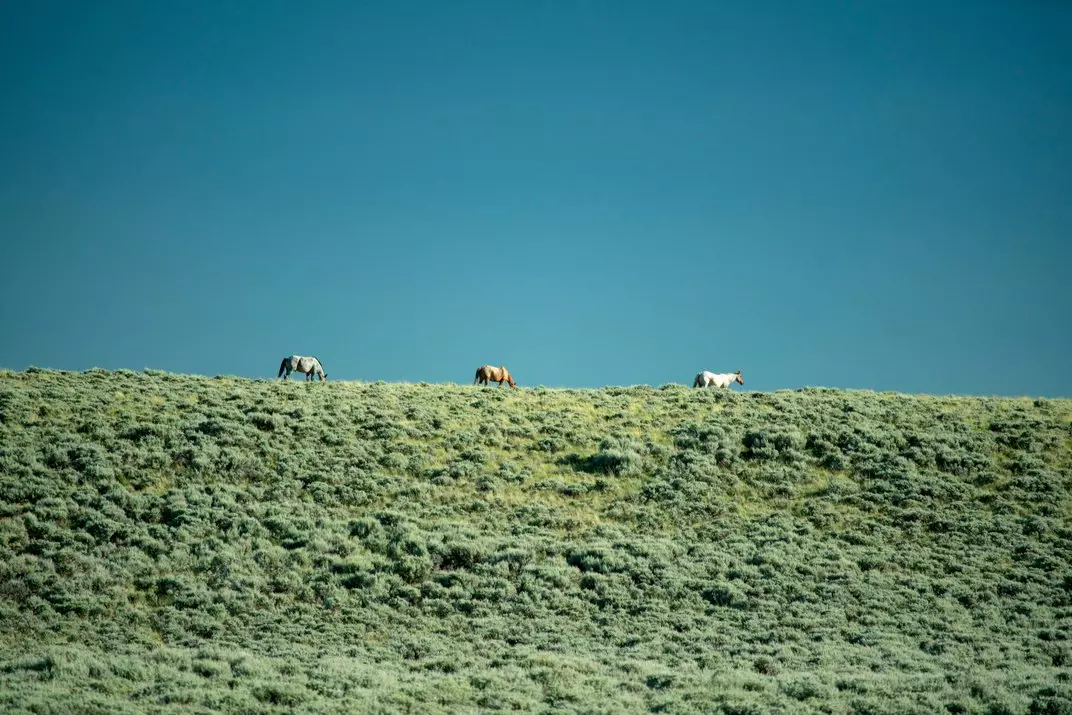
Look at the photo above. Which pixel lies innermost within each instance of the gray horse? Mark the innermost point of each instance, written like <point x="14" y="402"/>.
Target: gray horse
<point x="297" y="363"/>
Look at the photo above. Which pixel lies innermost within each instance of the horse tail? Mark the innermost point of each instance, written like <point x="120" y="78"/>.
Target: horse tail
<point x="476" y="379"/>
<point x="282" y="368"/>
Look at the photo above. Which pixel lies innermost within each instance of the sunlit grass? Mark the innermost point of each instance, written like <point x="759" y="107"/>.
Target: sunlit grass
<point x="189" y="544"/>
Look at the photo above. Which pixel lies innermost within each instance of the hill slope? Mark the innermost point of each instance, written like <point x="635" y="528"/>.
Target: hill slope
<point x="184" y="544"/>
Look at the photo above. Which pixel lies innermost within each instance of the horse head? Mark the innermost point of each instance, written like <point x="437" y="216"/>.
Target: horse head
<point x="739" y="380"/>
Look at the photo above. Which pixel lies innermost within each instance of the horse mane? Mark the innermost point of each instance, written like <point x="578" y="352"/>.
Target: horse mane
<point x="314" y="357"/>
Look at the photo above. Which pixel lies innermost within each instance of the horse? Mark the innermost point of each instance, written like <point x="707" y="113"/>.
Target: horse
<point x="298" y="363"/>
<point x="706" y="379"/>
<point x="490" y="373"/>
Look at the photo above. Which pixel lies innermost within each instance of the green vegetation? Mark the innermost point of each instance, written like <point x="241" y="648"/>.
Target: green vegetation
<point x="179" y="544"/>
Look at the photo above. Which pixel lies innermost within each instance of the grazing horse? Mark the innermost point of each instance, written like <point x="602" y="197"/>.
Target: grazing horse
<point x="706" y="379"/>
<point x="297" y="363"/>
<point x="490" y="373"/>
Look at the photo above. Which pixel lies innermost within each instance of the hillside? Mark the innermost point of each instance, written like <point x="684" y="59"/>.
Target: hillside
<point x="180" y="544"/>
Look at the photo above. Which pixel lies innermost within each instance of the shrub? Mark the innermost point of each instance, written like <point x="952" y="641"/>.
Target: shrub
<point x="266" y="422"/>
<point x="724" y="595"/>
<point x="617" y="456"/>
<point x="772" y="444"/>
<point x="826" y="453"/>
<point x="144" y="518"/>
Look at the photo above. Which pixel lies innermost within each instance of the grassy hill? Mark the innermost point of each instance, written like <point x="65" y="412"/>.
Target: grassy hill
<point x="180" y="544"/>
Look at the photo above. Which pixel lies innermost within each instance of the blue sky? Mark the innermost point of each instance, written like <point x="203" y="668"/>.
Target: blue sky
<point x="869" y="195"/>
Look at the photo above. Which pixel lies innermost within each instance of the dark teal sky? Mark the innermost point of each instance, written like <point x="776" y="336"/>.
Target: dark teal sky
<point x="865" y="195"/>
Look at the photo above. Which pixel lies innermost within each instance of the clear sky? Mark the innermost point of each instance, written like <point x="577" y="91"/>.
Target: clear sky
<point x="869" y="195"/>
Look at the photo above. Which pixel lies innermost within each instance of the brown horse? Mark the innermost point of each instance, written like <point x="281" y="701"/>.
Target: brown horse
<point x="490" y="373"/>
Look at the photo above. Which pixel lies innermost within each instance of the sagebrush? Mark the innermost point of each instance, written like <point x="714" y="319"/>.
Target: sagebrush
<point x="185" y="544"/>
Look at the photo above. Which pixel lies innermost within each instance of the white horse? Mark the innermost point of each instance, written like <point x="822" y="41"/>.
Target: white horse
<point x="297" y="363"/>
<point x="706" y="379"/>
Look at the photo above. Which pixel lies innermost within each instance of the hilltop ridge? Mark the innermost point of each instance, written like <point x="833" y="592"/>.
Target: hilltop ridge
<point x="190" y="544"/>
